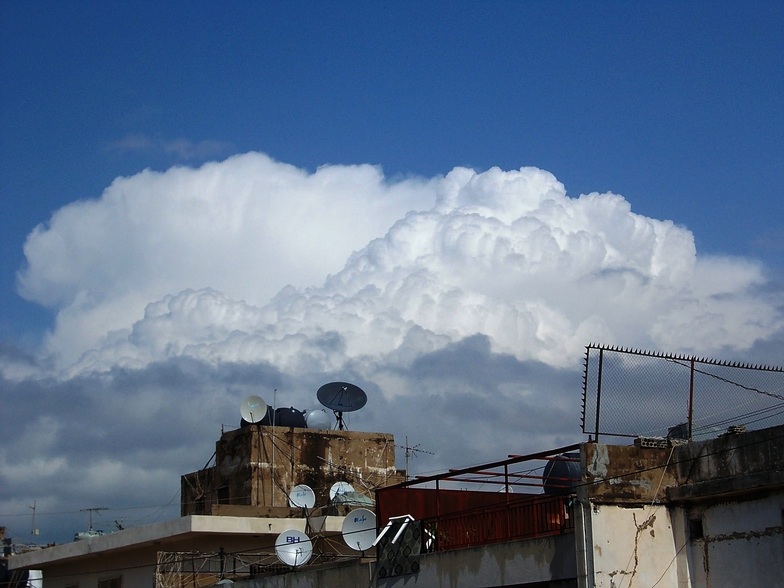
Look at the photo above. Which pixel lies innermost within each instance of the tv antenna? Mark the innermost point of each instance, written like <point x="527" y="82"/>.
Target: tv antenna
<point x="33" y="530"/>
<point x="412" y="451"/>
<point x="91" y="511"/>
<point x="341" y="397"/>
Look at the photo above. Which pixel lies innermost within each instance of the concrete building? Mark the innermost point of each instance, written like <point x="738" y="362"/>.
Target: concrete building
<point x="235" y="510"/>
<point x="257" y="466"/>
<point x="657" y="512"/>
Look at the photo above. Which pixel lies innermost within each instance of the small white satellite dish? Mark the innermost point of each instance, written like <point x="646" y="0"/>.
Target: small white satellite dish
<point x="302" y="496"/>
<point x="253" y="409"/>
<point x="340" y="488"/>
<point x="293" y="548"/>
<point x="318" y="419"/>
<point x="359" y="529"/>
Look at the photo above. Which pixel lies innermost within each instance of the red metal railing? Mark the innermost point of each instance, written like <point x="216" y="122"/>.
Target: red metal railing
<point x="464" y="508"/>
<point x="526" y="517"/>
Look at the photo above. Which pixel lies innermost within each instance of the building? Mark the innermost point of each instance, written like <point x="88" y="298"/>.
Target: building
<point x="235" y="510"/>
<point x="257" y="466"/>
<point x="653" y="513"/>
<point x="663" y="511"/>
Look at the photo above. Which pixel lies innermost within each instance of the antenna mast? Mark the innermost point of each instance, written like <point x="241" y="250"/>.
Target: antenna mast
<point x="33" y="530"/>
<point x="411" y="451"/>
<point x="90" y="511"/>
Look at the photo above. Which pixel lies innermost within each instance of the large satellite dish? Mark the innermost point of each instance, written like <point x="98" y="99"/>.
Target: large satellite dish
<point x="253" y="409"/>
<point x="359" y="529"/>
<point x="340" y="488"/>
<point x="302" y="496"/>
<point x="341" y="397"/>
<point x="293" y="548"/>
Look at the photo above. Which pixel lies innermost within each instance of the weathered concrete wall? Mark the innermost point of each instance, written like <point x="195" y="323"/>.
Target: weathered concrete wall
<point x="258" y="466"/>
<point x="632" y="546"/>
<point x="627" y="474"/>
<point x="549" y="559"/>
<point x="729" y="465"/>
<point x="705" y="513"/>
<point x="742" y="543"/>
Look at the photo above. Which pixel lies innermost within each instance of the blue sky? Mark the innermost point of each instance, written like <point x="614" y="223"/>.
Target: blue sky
<point x="675" y="107"/>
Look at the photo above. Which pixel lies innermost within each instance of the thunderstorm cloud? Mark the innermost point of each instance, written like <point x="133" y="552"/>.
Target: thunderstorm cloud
<point x="460" y="303"/>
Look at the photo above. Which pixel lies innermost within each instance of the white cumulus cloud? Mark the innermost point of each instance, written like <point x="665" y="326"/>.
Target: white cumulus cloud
<point x="461" y="304"/>
<point x="505" y="254"/>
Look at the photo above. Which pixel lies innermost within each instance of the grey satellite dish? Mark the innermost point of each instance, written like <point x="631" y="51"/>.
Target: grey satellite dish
<point x="341" y="397"/>
<point x="359" y="529"/>
<point x="340" y="488"/>
<point x="253" y="409"/>
<point x="318" y="419"/>
<point x="302" y="496"/>
<point x="293" y="548"/>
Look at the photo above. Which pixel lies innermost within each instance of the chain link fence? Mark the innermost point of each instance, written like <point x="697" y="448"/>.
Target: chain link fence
<point x="635" y="393"/>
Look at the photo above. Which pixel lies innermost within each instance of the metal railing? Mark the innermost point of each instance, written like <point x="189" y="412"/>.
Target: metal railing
<point x="521" y="518"/>
<point x="517" y="498"/>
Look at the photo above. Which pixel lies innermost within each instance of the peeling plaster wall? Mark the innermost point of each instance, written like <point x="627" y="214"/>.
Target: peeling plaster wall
<point x="258" y="466"/>
<point x="707" y="513"/>
<point x="742" y="543"/>
<point x="633" y="546"/>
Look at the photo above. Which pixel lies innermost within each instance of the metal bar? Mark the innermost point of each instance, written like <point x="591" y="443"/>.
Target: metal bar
<point x="451" y="473"/>
<point x="599" y="394"/>
<point x="691" y="398"/>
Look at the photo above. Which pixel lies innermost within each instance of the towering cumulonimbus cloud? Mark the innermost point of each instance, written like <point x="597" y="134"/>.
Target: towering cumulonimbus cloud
<point x="461" y="304"/>
<point x="254" y="260"/>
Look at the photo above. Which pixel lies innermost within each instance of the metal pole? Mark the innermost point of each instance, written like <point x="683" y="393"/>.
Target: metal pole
<point x="598" y="394"/>
<point x="691" y="398"/>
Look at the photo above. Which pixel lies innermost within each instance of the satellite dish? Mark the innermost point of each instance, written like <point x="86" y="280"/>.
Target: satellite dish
<point x="253" y="409"/>
<point x="340" y="488"/>
<point x="318" y="419"/>
<point x="341" y="397"/>
<point x="266" y="420"/>
<point x="302" y="496"/>
<point x="293" y="548"/>
<point x="359" y="529"/>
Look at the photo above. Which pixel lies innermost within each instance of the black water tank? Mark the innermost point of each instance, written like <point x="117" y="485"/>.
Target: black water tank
<point x="562" y="473"/>
<point x="290" y="417"/>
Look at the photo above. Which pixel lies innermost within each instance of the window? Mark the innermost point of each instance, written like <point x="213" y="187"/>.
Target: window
<point x="110" y="582"/>
<point x="223" y="495"/>
<point x="695" y="529"/>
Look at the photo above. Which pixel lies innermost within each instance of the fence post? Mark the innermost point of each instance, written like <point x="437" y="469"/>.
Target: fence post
<point x="598" y="394"/>
<point x="691" y="397"/>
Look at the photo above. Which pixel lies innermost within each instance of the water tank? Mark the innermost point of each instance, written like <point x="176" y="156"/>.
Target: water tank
<point x="289" y="417"/>
<point x="562" y="473"/>
<point x="318" y="419"/>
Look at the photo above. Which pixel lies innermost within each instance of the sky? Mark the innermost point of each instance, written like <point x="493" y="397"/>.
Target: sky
<point x="440" y="202"/>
